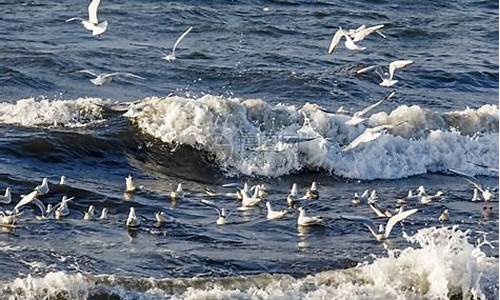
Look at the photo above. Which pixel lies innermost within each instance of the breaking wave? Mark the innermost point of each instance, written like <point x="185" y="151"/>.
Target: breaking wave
<point x="443" y="265"/>
<point x="251" y="137"/>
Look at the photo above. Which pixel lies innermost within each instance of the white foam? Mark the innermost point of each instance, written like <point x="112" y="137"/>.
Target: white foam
<point x="443" y="264"/>
<point x="428" y="142"/>
<point x="71" y="113"/>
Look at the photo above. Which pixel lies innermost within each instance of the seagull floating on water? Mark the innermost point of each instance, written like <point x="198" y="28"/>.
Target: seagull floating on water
<point x="444" y="216"/>
<point x="304" y="220"/>
<point x="221" y="220"/>
<point x="104" y="214"/>
<point x="92" y="23"/>
<point x="129" y="184"/>
<point x="274" y="214"/>
<point x="89" y="214"/>
<point x="100" y="79"/>
<point x="61" y="209"/>
<point x="160" y="217"/>
<point x="178" y="193"/>
<point x="168" y="57"/>
<point x="43" y="189"/>
<point x="132" y="220"/>
<point x="62" y="181"/>
<point x="381" y="236"/>
<point x="7" y="197"/>
<point x="312" y="193"/>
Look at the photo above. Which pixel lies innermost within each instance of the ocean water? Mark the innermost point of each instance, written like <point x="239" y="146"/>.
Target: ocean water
<point x="249" y="80"/>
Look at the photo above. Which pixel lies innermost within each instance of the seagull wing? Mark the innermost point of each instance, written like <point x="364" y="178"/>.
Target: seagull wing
<point x="123" y="74"/>
<point x="366" y="69"/>
<point x="398" y="64"/>
<point x="349" y="43"/>
<point x="366" y="221"/>
<point x="361" y="34"/>
<point x="211" y="204"/>
<point x="93" y="11"/>
<point x="88" y="72"/>
<point x="366" y="136"/>
<point x="231" y="185"/>
<point x="476" y="184"/>
<point x="41" y="206"/>
<point x="180" y="39"/>
<point x="335" y="40"/>
<point x="397" y="218"/>
<point x="74" y="19"/>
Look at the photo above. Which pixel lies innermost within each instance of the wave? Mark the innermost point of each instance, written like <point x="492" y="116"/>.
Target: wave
<point x="251" y="137"/>
<point x="442" y="265"/>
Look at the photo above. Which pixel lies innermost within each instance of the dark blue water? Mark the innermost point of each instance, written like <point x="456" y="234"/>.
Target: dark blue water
<point x="186" y="122"/>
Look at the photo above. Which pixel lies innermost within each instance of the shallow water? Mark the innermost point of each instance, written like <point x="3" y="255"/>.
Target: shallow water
<point x="247" y="76"/>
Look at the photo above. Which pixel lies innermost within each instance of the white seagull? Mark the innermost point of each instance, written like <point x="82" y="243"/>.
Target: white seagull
<point x="304" y="220"/>
<point x="274" y="214"/>
<point x="393" y="66"/>
<point x="160" y="217"/>
<point x="62" y="181"/>
<point x="132" y="220"/>
<point x="221" y="220"/>
<point x="89" y="214"/>
<point x="485" y="192"/>
<point x="379" y="211"/>
<point x="104" y="214"/>
<point x="100" y="79"/>
<point x="358" y="117"/>
<point x="348" y="41"/>
<point x="381" y="236"/>
<point x="92" y="23"/>
<point x="312" y="193"/>
<point x="7" y="197"/>
<point x="444" y="216"/>
<point x="293" y="196"/>
<point x="43" y="189"/>
<point x="476" y="196"/>
<point x="178" y="193"/>
<point x="168" y="57"/>
<point x="252" y="201"/>
<point x="129" y="184"/>
<point x="61" y="209"/>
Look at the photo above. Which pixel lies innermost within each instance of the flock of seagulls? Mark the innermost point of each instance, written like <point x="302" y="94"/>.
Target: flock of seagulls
<point x="250" y="198"/>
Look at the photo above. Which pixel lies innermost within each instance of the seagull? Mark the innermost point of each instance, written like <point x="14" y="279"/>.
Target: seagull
<point x="358" y="117"/>
<point x="381" y="236"/>
<point x="426" y="199"/>
<point x="373" y="197"/>
<point x="410" y="196"/>
<point x="379" y="211"/>
<point x="168" y="57"/>
<point x="476" y="196"/>
<point x="221" y="220"/>
<point x="160" y="217"/>
<point x="362" y="32"/>
<point x="178" y="193"/>
<point x="132" y="220"/>
<point x="312" y="193"/>
<point x="292" y="197"/>
<point x="7" y="197"/>
<point x="248" y="201"/>
<point x="89" y="214"/>
<point x="62" y="181"/>
<point x="485" y="192"/>
<point x="444" y="217"/>
<point x="356" y="199"/>
<point x="274" y="214"/>
<point x="7" y="220"/>
<point x="129" y="184"/>
<point x="348" y="43"/>
<point x="393" y="66"/>
<point x="370" y="134"/>
<point x="304" y="220"/>
<point x="104" y="214"/>
<point x="43" y="189"/>
<point x="61" y="209"/>
<point x="28" y="199"/>
<point x="92" y="23"/>
<point x="101" y="79"/>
